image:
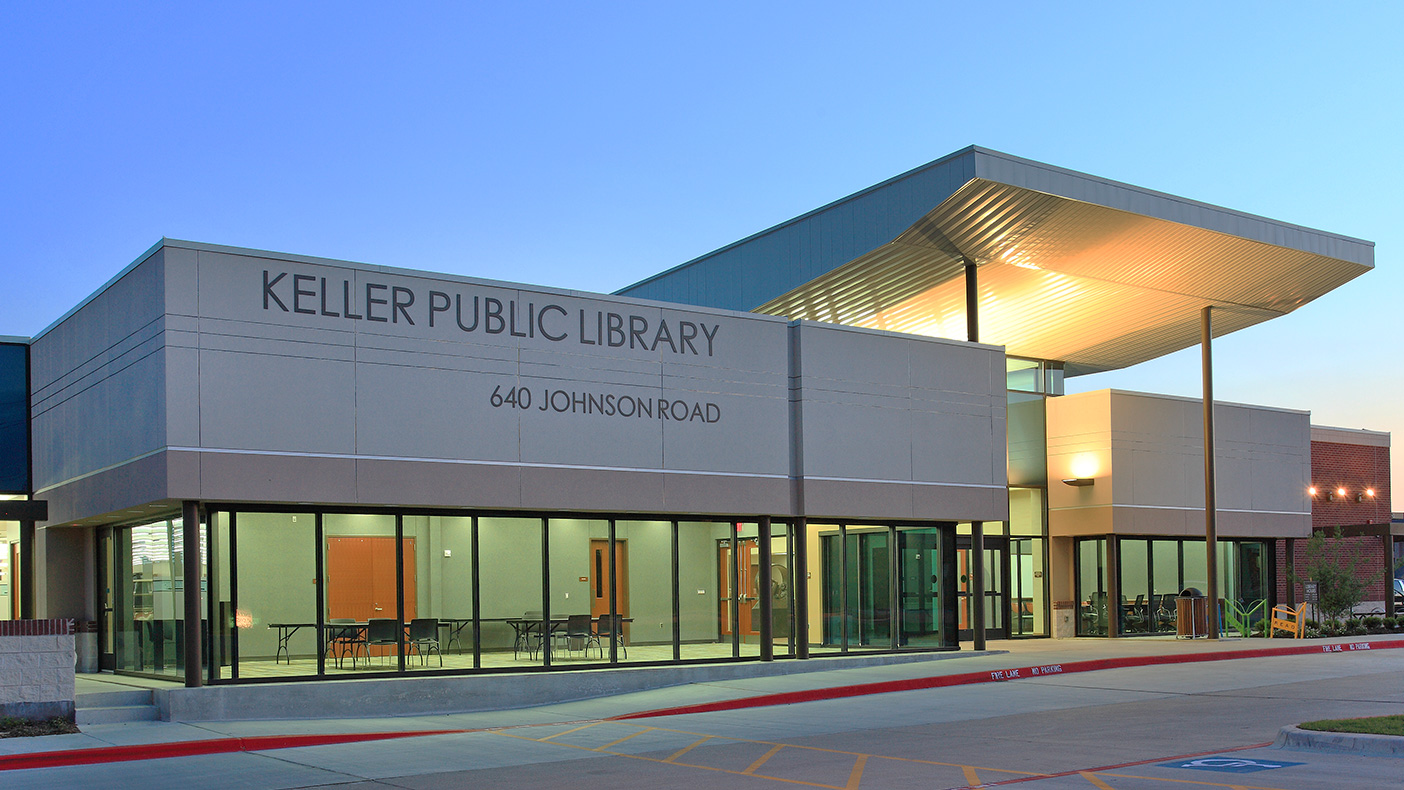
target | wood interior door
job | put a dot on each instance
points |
(361, 579)
(602, 575)
(745, 582)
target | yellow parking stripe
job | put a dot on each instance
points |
(857, 775)
(567, 732)
(971, 778)
(686, 749)
(621, 740)
(1097, 783)
(758, 763)
(866, 754)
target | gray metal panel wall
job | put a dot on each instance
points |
(252, 386)
(97, 380)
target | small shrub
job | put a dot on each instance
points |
(1389, 623)
(1330, 630)
(1310, 623)
(1311, 633)
(1355, 628)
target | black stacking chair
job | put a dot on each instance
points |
(382, 632)
(611, 627)
(344, 637)
(424, 635)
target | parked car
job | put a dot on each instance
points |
(1398, 594)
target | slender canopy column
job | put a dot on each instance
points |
(976, 563)
(1211, 527)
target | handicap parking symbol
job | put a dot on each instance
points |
(1228, 765)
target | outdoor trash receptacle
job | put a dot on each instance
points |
(1191, 613)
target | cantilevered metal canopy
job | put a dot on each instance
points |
(1093, 273)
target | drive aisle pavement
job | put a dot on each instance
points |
(640, 718)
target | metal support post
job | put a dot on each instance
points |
(799, 591)
(767, 645)
(976, 584)
(1211, 527)
(191, 572)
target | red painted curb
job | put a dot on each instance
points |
(156, 751)
(1019, 673)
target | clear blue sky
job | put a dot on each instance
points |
(590, 145)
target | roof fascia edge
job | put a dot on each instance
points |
(967, 151)
(1003, 168)
(112, 281)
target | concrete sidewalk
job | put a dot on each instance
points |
(824, 674)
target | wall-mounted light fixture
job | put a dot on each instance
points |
(1368, 493)
(1311, 492)
(1079, 481)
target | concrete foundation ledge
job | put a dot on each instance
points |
(38, 711)
(1342, 742)
(417, 696)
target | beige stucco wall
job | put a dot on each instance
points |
(1145, 454)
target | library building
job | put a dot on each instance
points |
(845, 434)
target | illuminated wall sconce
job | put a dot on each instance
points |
(1311, 492)
(1368, 493)
(1079, 481)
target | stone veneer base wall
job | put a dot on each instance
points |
(36, 669)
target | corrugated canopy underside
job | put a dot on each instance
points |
(1097, 288)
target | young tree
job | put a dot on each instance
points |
(1341, 579)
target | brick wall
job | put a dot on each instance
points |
(36, 668)
(1354, 467)
(1367, 550)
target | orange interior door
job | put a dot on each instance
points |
(963, 589)
(361, 579)
(746, 580)
(602, 575)
(745, 592)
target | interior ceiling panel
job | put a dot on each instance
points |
(1094, 287)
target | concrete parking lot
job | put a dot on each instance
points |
(1190, 725)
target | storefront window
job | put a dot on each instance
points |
(1155, 571)
(511, 595)
(149, 616)
(644, 595)
(408, 593)
(1093, 609)
(274, 593)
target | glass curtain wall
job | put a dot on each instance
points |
(348, 594)
(587, 587)
(861, 588)
(644, 596)
(149, 600)
(510, 588)
(1154, 572)
(274, 558)
(1093, 612)
(782, 586)
(1028, 546)
(705, 581)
